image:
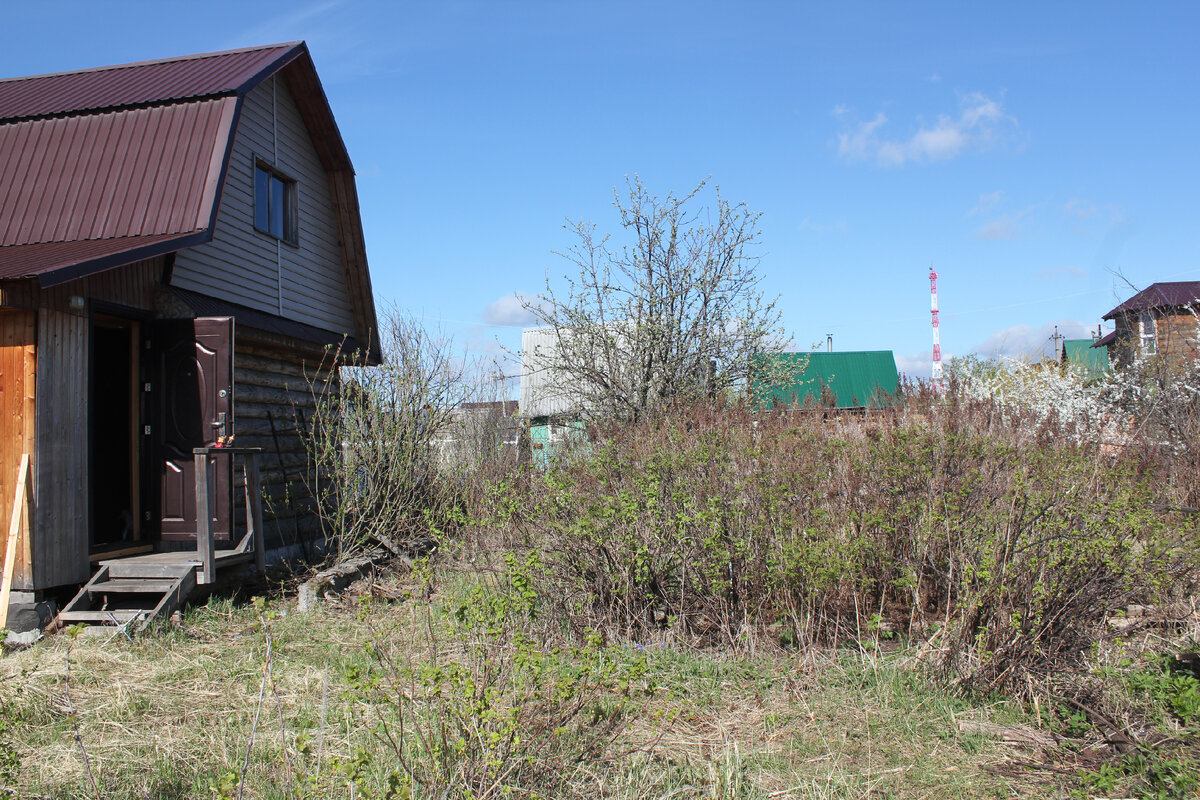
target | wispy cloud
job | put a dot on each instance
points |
(837, 226)
(290, 24)
(988, 203)
(1090, 219)
(508, 311)
(1004, 228)
(979, 124)
(1068, 271)
(1080, 209)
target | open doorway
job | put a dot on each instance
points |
(114, 427)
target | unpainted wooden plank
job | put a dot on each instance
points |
(106, 617)
(133, 586)
(205, 546)
(174, 597)
(20, 517)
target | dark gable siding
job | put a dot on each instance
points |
(305, 283)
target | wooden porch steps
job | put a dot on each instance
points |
(136, 589)
(115, 597)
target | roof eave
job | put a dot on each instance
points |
(82, 269)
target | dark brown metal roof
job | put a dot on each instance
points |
(143, 82)
(119, 162)
(138, 172)
(57, 262)
(1160, 295)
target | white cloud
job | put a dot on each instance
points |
(981, 121)
(919, 365)
(1024, 341)
(508, 310)
(860, 143)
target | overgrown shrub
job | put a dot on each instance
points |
(996, 528)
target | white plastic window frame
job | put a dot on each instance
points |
(1148, 332)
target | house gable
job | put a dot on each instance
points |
(128, 202)
(304, 282)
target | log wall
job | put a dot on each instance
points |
(272, 387)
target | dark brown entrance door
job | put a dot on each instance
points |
(194, 360)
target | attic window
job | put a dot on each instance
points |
(274, 203)
(1147, 333)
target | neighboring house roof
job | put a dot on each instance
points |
(104, 167)
(1106, 339)
(1159, 295)
(505, 407)
(1080, 353)
(853, 379)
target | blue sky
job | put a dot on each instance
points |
(1032, 153)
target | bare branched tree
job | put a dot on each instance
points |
(372, 436)
(673, 314)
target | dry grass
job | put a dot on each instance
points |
(170, 714)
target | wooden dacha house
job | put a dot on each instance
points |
(180, 244)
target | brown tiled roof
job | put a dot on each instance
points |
(143, 82)
(1160, 295)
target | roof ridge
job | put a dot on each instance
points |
(154, 62)
(95, 111)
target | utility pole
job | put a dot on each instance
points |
(1057, 339)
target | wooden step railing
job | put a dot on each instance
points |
(205, 545)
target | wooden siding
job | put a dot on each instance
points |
(60, 520)
(18, 366)
(133, 286)
(305, 282)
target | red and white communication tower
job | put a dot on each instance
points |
(937, 338)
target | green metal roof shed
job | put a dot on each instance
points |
(853, 379)
(1091, 361)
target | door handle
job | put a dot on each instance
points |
(219, 424)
